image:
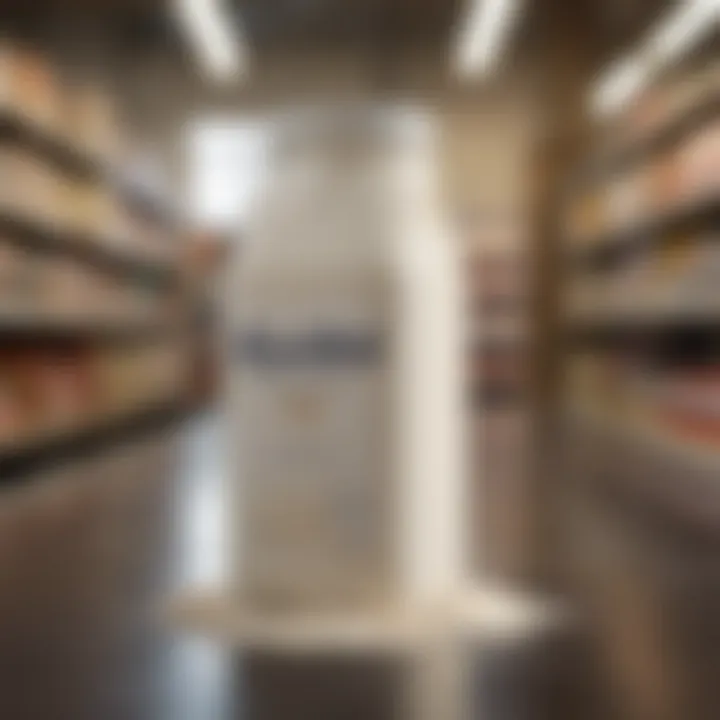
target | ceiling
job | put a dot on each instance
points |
(374, 28)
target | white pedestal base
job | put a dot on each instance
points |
(434, 643)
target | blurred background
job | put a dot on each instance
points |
(579, 164)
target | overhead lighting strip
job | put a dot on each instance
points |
(674, 36)
(484, 35)
(215, 36)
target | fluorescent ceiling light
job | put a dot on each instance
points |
(214, 36)
(620, 85)
(682, 29)
(484, 34)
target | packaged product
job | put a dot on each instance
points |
(28, 86)
(28, 186)
(68, 288)
(586, 217)
(688, 405)
(699, 164)
(85, 213)
(19, 173)
(627, 199)
(11, 261)
(64, 382)
(35, 282)
(11, 411)
(666, 191)
(97, 122)
(686, 272)
(20, 372)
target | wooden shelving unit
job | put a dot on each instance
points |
(626, 446)
(87, 343)
(499, 387)
(26, 458)
(641, 428)
(620, 156)
(70, 158)
(612, 247)
(34, 327)
(110, 257)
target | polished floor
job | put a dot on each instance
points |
(90, 552)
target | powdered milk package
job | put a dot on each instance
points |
(344, 371)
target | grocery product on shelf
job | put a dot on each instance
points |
(28, 86)
(64, 391)
(498, 294)
(640, 436)
(627, 199)
(28, 187)
(78, 256)
(666, 162)
(13, 410)
(699, 164)
(498, 384)
(48, 392)
(686, 406)
(584, 218)
(665, 182)
(669, 283)
(12, 274)
(58, 162)
(95, 123)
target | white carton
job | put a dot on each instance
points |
(345, 373)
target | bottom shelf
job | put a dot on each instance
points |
(672, 479)
(21, 460)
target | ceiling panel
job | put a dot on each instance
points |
(365, 26)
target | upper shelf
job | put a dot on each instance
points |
(82, 163)
(668, 135)
(103, 255)
(33, 326)
(607, 248)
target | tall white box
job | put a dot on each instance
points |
(346, 366)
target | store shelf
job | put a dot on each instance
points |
(676, 481)
(646, 318)
(15, 327)
(23, 459)
(611, 247)
(39, 234)
(74, 160)
(664, 138)
(61, 152)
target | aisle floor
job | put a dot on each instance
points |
(88, 555)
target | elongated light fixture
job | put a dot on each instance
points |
(215, 37)
(483, 35)
(684, 27)
(673, 36)
(621, 82)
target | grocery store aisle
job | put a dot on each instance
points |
(87, 556)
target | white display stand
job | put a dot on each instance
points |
(438, 645)
(346, 330)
